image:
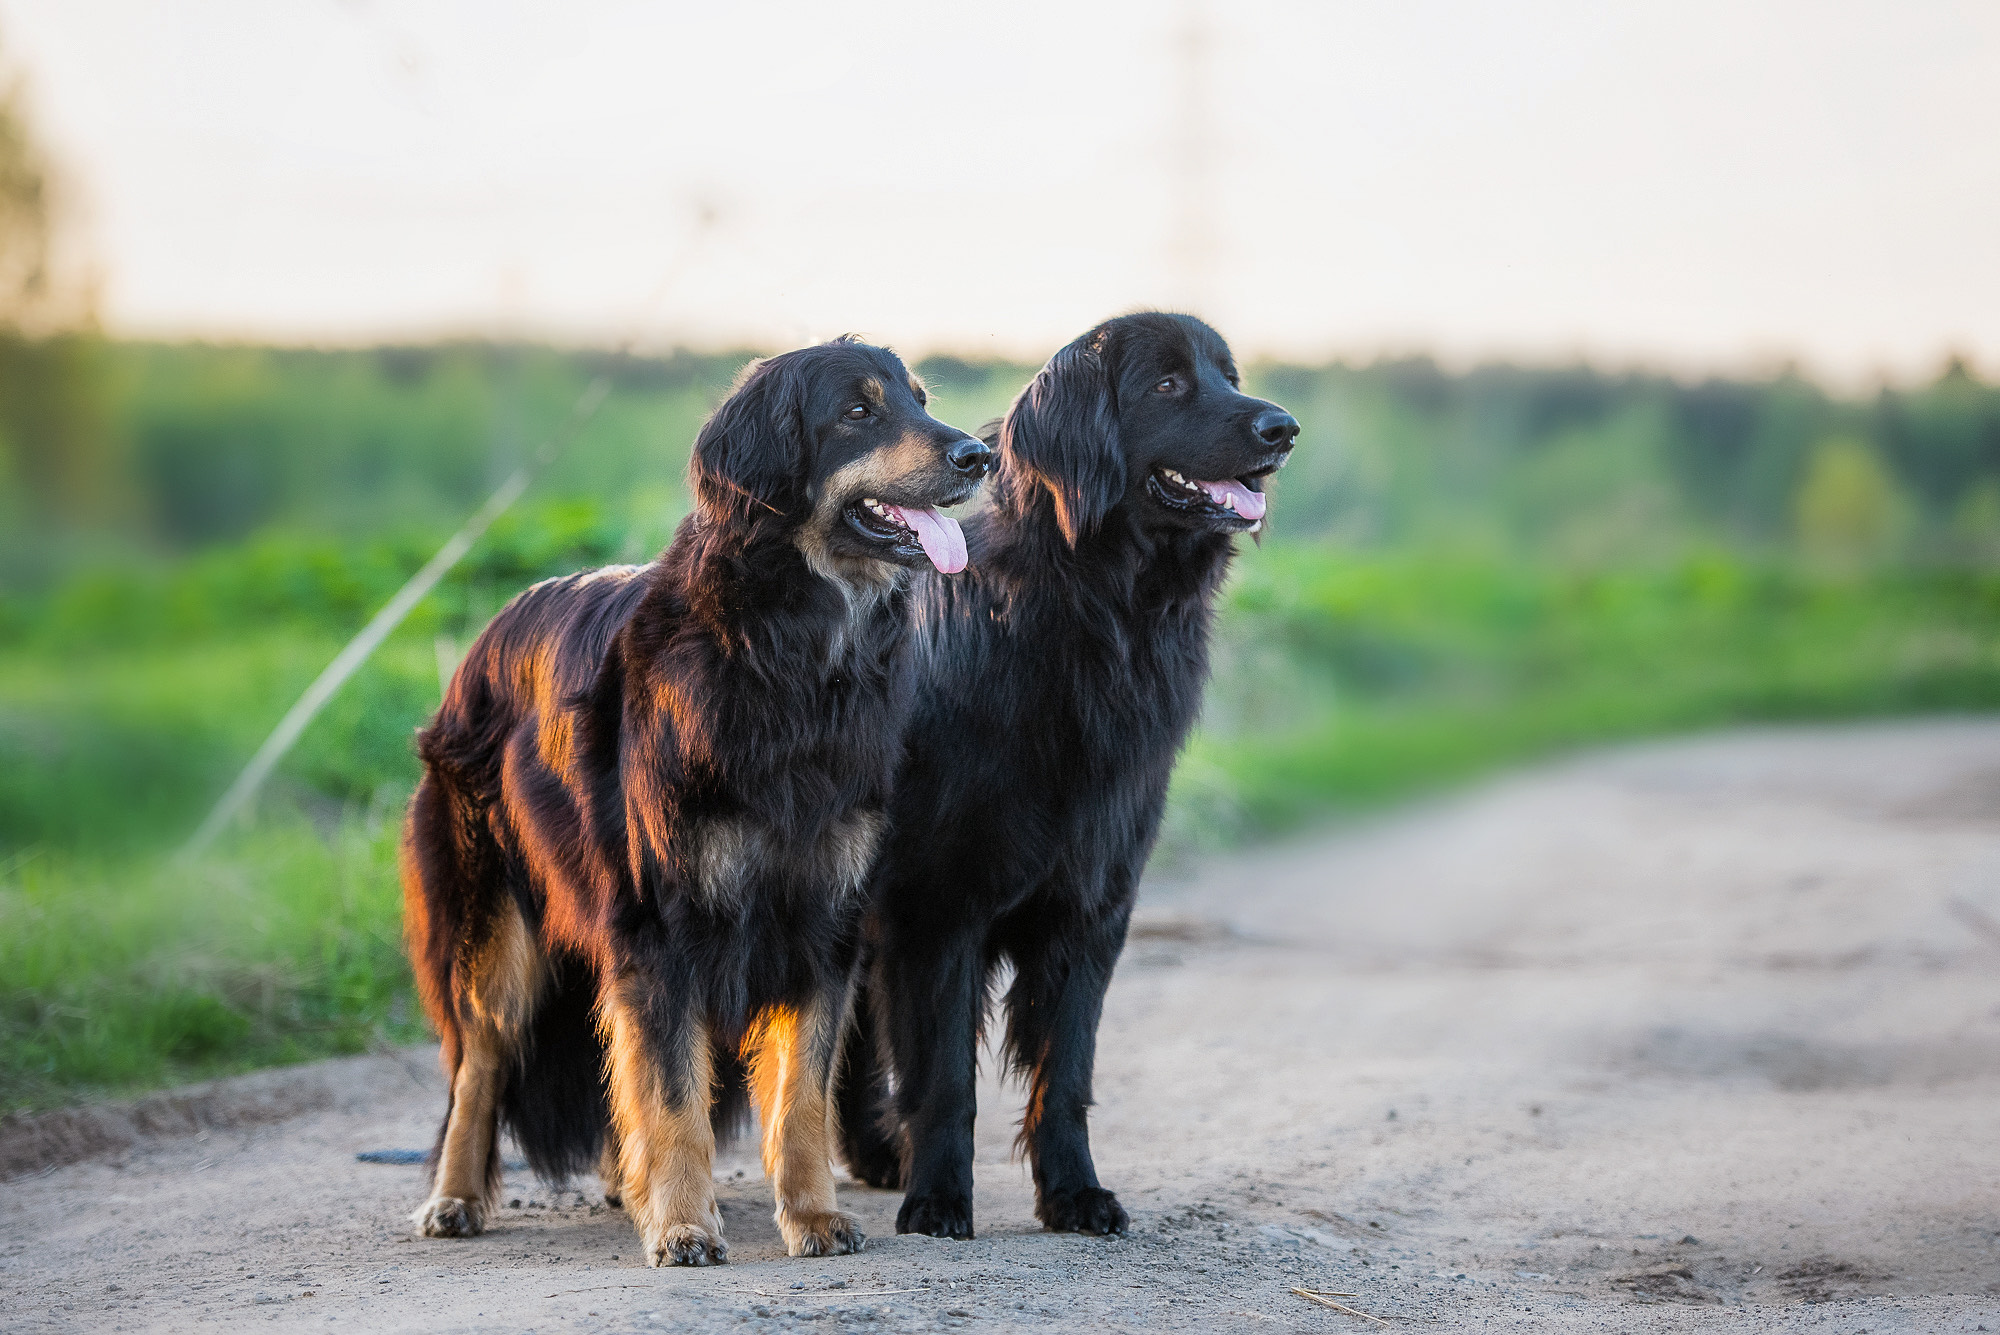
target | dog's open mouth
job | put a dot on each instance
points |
(912, 531)
(1239, 499)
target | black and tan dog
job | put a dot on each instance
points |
(1065, 671)
(649, 801)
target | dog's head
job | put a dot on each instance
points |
(1145, 412)
(835, 443)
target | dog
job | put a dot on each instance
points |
(1066, 669)
(633, 866)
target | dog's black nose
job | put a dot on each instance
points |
(1276, 428)
(971, 457)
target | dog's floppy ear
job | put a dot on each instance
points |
(1063, 434)
(751, 453)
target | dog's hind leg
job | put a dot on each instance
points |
(662, 1081)
(860, 1082)
(791, 1056)
(468, 1166)
(607, 1168)
(501, 981)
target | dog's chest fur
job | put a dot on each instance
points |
(805, 756)
(736, 857)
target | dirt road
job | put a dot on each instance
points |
(1696, 1036)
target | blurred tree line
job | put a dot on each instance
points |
(117, 449)
(1592, 468)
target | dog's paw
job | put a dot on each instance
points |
(450, 1217)
(941, 1215)
(877, 1164)
(1087, 1210)
(821, 1233)
(687, 1244)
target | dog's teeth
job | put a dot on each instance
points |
(1255, 527)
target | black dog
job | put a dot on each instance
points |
(1066, 670)
(651, 797)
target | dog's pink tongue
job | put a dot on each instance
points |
(943, 539)
(1250, 504)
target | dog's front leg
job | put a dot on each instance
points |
(662, 1083)
(1052, 1012)
(791, 1071)
(936, 992)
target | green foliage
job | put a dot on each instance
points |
(1341, 681)
(1849, 508)
(1463, 571)
(133, 693)
(58, 479)
(116, 974)
(1386, 676)
(129, 450)
(1584, 468)
(225, 441)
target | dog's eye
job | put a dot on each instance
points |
(857, 412)
(1167, 386)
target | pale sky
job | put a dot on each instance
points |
(1685, 185)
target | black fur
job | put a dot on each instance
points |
(1065, 671)
(760, 670)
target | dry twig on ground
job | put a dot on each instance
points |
(1326, 1300)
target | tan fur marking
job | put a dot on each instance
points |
(505, 977)
(729, 852)
(878, 470)
(847, 850)
(791, 1069)
(502, 981)
(459, 1195)
(665, 1147)
(726, 853)
(874, 472)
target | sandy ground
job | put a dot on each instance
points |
(1694, 1036)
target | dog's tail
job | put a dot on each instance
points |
(557, 1102)
(554, 1100)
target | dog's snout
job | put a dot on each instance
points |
(1276, 428)
(970, 457)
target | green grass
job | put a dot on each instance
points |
(1341, 681)
(1344, 683)
(126, 975)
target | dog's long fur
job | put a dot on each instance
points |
(632, 867)
(1066, 669)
